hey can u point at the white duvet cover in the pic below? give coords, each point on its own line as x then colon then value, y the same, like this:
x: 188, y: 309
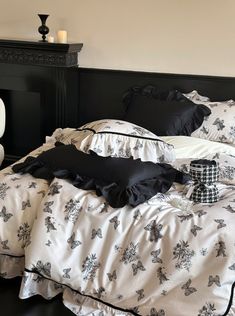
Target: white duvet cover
x: 168, y: 256
x: 193, y: 147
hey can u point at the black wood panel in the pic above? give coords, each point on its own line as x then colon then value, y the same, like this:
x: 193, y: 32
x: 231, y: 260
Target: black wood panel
x: 38, y: 99
x: 39, y: 53
x: 101, y: 91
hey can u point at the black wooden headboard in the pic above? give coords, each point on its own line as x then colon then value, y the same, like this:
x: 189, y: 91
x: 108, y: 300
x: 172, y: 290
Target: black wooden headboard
x: 101, y: 91
x: 38, y: 100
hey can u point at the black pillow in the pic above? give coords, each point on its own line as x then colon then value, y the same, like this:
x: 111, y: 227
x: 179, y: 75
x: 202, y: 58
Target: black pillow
x: 175, y: 115
x: 151, y: 91
x: 120, y: 180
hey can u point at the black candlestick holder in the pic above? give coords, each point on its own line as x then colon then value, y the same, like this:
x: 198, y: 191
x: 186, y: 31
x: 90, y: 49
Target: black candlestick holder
x: 43, y: 29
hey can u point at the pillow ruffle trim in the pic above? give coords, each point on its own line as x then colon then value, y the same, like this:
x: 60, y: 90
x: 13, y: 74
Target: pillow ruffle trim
x: 116, y: 195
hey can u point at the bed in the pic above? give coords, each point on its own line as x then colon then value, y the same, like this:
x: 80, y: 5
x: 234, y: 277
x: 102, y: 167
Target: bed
x: 140, y: 248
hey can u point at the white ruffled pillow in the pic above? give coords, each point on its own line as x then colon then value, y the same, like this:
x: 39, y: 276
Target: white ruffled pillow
x: 69, y: 136
x: 219, y: 126
x: 118, y: 138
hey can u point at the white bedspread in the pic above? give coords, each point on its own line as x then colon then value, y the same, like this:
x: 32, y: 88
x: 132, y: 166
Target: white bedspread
x: 167, y: 256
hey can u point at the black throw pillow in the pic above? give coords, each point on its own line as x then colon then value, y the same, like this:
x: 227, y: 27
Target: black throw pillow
x: 174, y: 115
x: 120, y: 180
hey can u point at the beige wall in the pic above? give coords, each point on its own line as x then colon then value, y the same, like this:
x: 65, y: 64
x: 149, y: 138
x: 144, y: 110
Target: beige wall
x: 177, y: 36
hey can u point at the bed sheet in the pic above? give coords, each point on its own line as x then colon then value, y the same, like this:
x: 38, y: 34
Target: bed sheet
x: 20, y: 197
x: 193, y: 147
x: 167, y: 256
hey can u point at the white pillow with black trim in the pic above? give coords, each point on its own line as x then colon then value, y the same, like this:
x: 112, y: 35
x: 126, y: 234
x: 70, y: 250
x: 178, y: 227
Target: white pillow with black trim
x: 69, y: 136
x: 116, y: 138
x: 119, y: 138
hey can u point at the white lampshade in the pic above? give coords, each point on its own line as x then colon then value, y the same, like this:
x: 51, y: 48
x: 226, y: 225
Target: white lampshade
x: 2, y: 118
x: 1, y: 154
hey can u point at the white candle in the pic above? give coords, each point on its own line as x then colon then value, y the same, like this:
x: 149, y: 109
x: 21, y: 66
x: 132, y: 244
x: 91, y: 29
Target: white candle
x: 50, y: 39
x: 62, y: 36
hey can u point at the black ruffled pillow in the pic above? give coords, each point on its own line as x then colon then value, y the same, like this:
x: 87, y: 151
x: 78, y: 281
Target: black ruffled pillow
x: 120, y: 180
x: 166, y: 113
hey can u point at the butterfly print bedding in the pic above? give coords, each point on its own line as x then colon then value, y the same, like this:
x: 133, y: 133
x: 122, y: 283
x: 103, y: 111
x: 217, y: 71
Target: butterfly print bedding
x: 165, y: 257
